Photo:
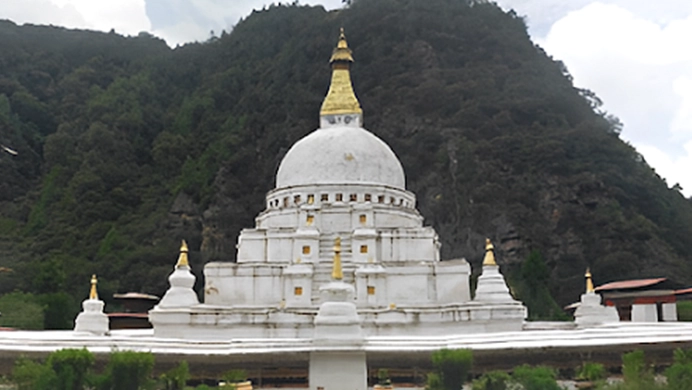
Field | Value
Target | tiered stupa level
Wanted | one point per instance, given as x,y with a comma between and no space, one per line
340,181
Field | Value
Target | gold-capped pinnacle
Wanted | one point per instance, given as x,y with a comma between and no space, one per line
589,282
489,253
182,259
342,51
337,272
93,294
341,99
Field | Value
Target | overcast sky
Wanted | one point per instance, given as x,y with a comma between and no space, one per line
635,54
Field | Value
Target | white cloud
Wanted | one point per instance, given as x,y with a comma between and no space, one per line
180,21
676,170
643,72
125,16
41,12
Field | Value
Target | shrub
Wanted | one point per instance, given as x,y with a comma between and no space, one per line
128,370
30,375
535,378
383,377
679,375
493,380
176,378
591,372
637,374
453,367
71,367
433,382
684,310
234,376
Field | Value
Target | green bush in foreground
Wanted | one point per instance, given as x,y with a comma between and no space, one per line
71,367
30,375
128,370
679,375
493,380
453,367
535,378
176,378
591,372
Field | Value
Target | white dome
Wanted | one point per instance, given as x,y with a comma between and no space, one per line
340,155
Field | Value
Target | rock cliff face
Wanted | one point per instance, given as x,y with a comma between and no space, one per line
127,146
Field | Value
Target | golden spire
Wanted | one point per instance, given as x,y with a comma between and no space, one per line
337,272
489,253
92,293
589,282
182,259
341,99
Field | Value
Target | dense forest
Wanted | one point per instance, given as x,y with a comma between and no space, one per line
125,146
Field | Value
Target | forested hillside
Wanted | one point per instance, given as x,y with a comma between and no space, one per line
125,146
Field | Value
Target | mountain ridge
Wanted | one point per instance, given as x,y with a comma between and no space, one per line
133,145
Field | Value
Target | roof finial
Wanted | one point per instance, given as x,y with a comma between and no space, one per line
337,272
589,282
341,99
182,259
489,253
93,294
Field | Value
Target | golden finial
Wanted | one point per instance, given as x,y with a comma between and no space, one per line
337,272
93,294
589,282
341,99
182,259
489,253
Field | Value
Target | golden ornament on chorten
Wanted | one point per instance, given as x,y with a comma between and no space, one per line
93,294
337,272
182,259
341,99
589,282
489,253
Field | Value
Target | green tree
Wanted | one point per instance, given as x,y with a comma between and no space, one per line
22,311
679,374
452,366
129,370
71,367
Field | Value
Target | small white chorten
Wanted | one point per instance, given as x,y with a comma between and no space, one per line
492,287
343,365
337,319
590,311
92,319
181,280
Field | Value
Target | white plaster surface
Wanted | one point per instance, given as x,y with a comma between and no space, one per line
670,312
492,287
591,312
180,294
644,313
622,333
92,319
338,371
340,155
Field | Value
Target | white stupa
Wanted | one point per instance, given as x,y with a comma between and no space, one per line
92,319
491,286
590,311
338,181
338,361
180,294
